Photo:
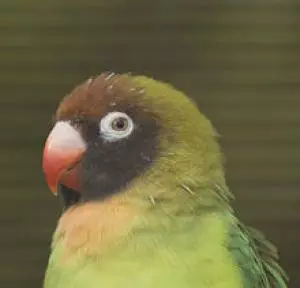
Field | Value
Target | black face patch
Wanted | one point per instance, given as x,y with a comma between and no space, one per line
67,196
107,167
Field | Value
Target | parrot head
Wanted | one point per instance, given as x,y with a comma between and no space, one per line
131,137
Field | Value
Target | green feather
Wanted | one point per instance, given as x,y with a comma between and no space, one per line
256,257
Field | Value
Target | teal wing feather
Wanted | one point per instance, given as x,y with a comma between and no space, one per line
257,258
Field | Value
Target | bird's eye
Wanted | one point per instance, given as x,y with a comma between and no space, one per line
115,126
119,124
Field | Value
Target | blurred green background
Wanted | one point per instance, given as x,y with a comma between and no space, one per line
239,59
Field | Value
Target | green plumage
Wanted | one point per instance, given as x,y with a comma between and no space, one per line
257,258
185,234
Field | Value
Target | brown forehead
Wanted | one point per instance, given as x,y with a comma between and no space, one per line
93,97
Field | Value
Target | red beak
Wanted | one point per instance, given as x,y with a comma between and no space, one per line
62,153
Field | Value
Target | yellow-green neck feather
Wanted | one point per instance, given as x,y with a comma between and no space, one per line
183,252
190,154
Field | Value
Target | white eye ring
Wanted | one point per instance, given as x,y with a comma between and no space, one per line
115,126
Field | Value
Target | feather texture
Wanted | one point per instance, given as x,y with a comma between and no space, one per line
256,257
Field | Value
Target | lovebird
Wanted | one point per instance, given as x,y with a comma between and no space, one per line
140,175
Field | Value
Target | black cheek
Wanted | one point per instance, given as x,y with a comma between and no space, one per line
107,167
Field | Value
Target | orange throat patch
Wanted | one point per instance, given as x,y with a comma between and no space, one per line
92,228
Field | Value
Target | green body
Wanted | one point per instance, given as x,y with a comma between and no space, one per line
196,251
188,236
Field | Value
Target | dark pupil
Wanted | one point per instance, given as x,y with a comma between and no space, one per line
120,124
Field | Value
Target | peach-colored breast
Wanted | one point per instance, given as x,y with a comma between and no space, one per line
92,228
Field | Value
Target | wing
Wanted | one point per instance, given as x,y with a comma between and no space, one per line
257,258
254,254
